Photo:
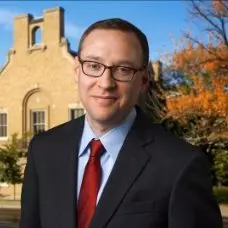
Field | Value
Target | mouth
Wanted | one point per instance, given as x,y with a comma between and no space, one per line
105,97
105,100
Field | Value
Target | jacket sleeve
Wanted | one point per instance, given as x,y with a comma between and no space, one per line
192,203
29,198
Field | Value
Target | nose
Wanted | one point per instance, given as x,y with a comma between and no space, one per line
106,81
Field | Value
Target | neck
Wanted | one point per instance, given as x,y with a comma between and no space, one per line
100,128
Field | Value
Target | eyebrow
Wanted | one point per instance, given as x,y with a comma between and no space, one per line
101,60
92,57
126,63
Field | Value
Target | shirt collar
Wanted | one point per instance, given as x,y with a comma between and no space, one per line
112,140
87,136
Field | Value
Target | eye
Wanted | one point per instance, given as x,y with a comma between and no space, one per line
93,66
123,70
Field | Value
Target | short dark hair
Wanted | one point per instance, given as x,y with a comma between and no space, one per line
121,25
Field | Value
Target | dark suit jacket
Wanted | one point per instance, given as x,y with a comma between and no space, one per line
158,181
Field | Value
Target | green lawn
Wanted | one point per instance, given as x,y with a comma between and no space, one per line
221,194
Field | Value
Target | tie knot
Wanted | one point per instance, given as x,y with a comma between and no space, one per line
96,148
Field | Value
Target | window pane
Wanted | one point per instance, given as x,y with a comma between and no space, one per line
2,119
34,117
80,112
38,117
38,122
37,35
3,125
34,129
75,113
4,131
72,114
5,119
42,117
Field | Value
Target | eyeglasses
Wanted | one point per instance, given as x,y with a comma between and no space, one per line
119,73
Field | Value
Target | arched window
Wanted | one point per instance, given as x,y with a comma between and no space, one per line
36,36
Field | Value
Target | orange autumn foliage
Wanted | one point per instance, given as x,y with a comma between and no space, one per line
220,7
205,63
195,58
201,100
210,56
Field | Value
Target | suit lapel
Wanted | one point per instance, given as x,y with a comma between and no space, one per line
68,148
131,161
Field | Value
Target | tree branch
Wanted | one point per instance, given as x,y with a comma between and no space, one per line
203,46
224,32
204,16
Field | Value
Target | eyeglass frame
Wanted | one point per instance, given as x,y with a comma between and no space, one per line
110,68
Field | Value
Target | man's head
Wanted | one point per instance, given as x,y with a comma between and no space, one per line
111,70
119,25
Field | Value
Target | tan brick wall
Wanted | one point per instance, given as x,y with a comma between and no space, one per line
48,70
37,77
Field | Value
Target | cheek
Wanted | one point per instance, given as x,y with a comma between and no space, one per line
85,84
130,92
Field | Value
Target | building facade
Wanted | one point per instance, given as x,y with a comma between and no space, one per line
37,86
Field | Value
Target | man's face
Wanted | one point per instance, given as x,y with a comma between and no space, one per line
106,100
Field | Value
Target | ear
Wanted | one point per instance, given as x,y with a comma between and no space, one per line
76,69
145,79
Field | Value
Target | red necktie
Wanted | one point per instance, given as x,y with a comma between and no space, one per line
90,185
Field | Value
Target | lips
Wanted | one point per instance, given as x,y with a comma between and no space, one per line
104,100
105,97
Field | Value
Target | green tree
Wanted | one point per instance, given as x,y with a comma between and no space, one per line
1,169
10,156
219,152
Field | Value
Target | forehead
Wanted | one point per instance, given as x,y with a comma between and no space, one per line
112,44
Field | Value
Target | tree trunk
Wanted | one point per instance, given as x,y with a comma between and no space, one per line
14,191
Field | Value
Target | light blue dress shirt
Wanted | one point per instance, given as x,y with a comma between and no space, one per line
112,142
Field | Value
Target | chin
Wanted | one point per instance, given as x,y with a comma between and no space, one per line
105,117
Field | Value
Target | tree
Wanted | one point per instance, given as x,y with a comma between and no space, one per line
211,56
10,156
220,168
153,100
199,109
2,168
204,65
207,99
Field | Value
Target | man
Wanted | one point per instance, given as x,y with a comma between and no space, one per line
113,168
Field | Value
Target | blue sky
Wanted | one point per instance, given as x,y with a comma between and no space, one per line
157,19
